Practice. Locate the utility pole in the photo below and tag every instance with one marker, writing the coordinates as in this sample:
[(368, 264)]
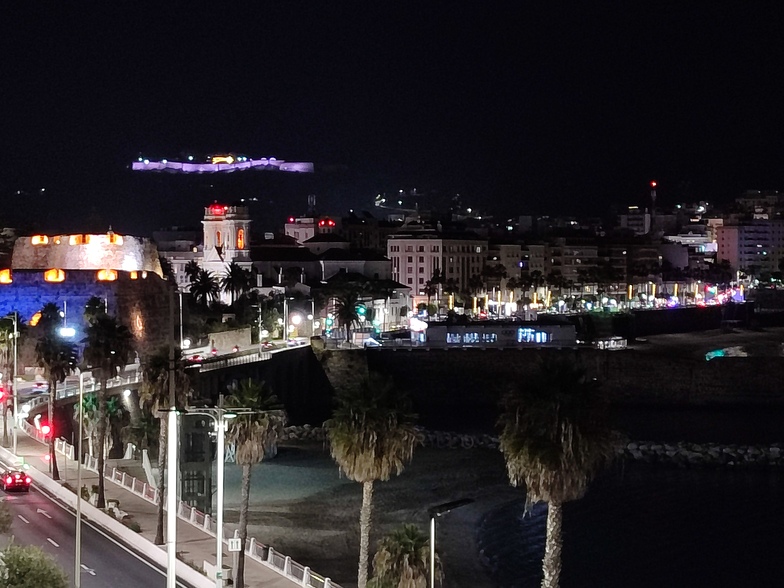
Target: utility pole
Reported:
[(13, 379), (171, 461)]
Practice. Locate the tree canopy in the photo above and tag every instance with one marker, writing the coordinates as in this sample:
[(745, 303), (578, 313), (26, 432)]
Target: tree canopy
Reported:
[(30, 567)]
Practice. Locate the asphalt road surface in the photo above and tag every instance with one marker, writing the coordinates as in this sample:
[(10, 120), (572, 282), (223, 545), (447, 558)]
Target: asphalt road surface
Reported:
[(38, 520)]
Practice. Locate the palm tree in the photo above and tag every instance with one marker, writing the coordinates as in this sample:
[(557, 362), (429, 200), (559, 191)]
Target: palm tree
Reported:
[(154, 395), (403, 560), (205, 288), (94, 308), (167, 269), (6, 365), (475, 284), (346, 304), (371, 437), (254, 435), (142, 432), (555, 439), (58, 358), (236, 281), (192, 270), (90, 407), (108, 345)]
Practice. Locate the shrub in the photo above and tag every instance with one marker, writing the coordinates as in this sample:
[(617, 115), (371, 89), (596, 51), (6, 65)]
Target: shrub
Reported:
[(5, 517), (131, 524)]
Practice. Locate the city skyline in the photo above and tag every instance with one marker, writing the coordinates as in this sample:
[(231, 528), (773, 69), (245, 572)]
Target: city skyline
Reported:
[(516, 109)]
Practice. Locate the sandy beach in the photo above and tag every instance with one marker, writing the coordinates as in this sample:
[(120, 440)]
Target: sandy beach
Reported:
[(302, 507)]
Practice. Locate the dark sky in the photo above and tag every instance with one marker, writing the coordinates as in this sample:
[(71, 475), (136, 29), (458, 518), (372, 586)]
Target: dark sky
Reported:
[(560, 109)]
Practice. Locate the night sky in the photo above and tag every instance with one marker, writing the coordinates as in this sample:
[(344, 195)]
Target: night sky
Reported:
[(570, 109)]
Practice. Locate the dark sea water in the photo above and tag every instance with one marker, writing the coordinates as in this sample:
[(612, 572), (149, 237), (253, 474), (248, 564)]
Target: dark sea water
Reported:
[(658, 526), (651, 527)]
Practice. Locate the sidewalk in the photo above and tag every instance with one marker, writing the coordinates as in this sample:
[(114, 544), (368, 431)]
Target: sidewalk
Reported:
[(193, 544)]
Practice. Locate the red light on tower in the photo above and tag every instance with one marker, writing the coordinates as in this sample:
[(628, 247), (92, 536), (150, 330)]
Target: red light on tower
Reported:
[(291, 219), (653, 183)]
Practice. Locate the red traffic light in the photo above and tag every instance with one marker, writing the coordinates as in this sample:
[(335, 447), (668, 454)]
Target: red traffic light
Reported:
[(46, 429), (2, 394)]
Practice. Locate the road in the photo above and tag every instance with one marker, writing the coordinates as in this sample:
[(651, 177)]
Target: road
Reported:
[(38, 520)]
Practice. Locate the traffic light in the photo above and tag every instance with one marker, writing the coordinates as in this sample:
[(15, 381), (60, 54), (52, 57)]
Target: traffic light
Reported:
[(46, 429), (361, 310), (3, 395), (329, 321)]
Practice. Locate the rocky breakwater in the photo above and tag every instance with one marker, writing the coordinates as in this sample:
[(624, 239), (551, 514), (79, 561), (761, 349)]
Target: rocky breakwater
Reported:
[(680, 454), (703, 454)]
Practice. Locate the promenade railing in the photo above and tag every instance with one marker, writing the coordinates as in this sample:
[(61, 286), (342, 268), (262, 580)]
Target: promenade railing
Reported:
[(254, 549)]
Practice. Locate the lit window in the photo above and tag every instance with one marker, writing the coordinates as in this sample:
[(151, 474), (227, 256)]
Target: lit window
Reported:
[(240, 238), (218, 239), (76, 240), (134, 275), (5, 276), (106, 275), (39, 240), (453, 338), (54, 275), (35, 318), (114, 239)]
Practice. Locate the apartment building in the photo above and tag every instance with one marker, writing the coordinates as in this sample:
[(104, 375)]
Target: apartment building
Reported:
[(636, 219), (306, 227), (757, 245), (417, 255), (573, 257)]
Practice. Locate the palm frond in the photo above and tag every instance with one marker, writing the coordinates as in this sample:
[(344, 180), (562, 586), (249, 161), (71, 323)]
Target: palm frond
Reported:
[(555, 434), (371, 433), (255, 434)]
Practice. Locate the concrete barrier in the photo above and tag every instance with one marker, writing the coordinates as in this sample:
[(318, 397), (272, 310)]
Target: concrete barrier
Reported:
[(132, 540)]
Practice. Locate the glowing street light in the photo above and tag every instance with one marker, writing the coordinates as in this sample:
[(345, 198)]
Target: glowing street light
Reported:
[(437, 511), (220, 418)]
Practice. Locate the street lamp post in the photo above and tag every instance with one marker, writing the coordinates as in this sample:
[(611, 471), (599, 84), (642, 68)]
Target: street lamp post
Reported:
[(13, 379), (437, 511), (78, 555), (181, 330), (219, 416), (172, 466)]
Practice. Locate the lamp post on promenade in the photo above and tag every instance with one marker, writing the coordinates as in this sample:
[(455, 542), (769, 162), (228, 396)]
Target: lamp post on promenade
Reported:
[(172, 443), (13, 377), (437, 511), (78, 554), (220, 417)]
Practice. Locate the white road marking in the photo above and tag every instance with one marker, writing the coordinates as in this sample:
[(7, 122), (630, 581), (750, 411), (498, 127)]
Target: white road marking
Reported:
[(88, 570), (101, 532), (24, 519), (43, 512), (50, 540)]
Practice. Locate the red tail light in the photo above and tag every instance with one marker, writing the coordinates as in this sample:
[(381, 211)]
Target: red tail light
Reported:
[(27, 480), (8, 480)]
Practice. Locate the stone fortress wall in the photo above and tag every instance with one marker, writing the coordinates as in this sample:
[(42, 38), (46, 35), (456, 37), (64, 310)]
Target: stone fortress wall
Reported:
[(86, 252)]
